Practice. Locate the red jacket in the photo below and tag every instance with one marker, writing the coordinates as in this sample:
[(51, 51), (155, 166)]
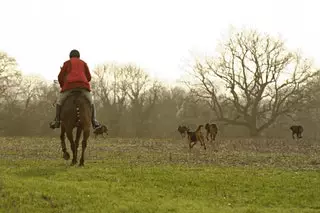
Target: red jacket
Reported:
[(74, 74)]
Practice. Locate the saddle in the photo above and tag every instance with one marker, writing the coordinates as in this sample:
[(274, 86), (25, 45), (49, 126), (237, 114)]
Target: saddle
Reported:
[(76, 94)]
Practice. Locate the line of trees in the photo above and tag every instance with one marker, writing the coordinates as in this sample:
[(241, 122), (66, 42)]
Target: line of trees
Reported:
[(253, 86)]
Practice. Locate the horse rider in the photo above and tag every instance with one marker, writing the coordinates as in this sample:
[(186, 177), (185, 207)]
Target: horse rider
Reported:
[(74, 76)]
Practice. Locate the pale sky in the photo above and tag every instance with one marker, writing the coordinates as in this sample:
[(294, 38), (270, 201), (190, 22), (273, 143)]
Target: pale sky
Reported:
[(158, 35)]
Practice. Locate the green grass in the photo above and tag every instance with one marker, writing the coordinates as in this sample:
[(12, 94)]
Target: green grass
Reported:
[(143, 175)]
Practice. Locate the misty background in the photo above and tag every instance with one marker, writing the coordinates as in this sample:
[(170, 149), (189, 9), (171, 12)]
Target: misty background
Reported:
[(253, 86), (251, 67)]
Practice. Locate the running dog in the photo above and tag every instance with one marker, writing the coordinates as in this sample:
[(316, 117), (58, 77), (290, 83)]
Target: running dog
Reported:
[(194, 137), (212, 130), (100, 131)]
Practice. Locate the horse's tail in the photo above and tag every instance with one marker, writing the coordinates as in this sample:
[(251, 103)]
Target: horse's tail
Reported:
[(77, 112)]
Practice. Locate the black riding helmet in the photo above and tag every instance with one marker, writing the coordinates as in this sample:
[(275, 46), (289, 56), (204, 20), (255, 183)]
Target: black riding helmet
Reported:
[(74, 53)]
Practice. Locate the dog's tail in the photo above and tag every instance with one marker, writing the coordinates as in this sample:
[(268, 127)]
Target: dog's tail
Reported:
[(199, 128)]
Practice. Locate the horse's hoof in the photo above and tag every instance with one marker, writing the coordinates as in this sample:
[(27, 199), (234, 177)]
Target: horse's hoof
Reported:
[(66, 156), (73, 163), (81, 164)]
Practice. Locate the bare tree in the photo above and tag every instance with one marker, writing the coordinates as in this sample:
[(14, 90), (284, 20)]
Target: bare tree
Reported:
[(110, 87), (255, 75), (138, 82), (8, 72), (150, 98), (31, 89), (110, 84)]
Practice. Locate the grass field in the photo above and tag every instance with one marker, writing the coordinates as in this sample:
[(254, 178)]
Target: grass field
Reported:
[(149, 175)]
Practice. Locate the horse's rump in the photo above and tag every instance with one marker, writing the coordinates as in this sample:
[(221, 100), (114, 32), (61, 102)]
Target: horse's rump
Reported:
[(76, 109)]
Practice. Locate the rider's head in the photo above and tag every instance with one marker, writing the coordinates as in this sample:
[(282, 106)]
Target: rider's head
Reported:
[(74, 53)]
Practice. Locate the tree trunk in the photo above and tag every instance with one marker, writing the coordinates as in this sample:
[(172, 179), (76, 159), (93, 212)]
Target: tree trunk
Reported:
[(253, 131)]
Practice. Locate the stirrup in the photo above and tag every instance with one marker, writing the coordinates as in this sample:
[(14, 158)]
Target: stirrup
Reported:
[(54, 124), (96, 125)]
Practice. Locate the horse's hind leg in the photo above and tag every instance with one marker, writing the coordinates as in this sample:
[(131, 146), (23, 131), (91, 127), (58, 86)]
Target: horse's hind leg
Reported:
[(73, 147), (86, 134), (66, 155), (78, 135)]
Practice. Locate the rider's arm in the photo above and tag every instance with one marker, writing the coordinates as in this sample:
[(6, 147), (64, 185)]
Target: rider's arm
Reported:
[(62, 74), (87, 72)]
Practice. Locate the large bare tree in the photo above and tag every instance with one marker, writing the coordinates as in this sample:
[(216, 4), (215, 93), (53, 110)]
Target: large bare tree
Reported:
[(254, 76)]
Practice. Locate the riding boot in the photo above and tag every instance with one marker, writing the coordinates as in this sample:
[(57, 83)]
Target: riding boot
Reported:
[(56, 122), (95, 123)]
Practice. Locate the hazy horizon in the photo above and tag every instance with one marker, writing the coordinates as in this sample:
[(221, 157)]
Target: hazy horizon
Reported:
[(159, 36)]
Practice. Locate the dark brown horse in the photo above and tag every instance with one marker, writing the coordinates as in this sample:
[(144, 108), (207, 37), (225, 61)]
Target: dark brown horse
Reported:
[(75, 113)]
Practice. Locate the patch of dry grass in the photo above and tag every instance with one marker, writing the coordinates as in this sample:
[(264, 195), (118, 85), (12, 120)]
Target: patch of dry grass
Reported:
[(156, 175), (301, 154)]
